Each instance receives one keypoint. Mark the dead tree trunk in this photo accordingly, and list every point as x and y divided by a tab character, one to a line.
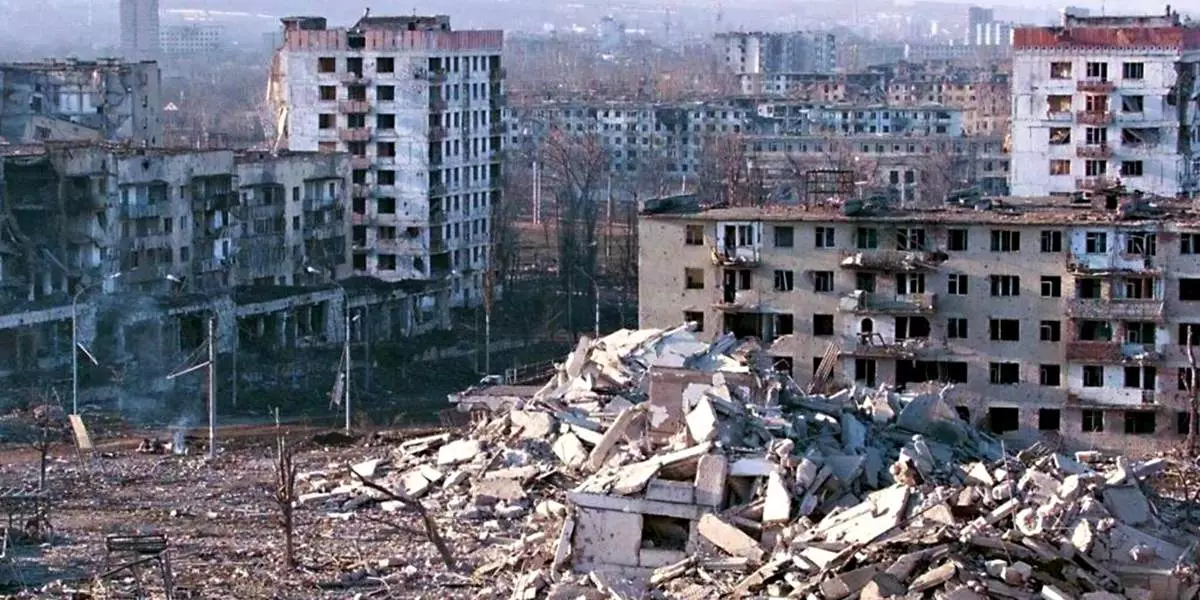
431	529
1193	398
285	496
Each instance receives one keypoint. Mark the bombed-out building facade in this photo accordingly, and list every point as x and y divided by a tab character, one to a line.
144	245
417	105
1068	320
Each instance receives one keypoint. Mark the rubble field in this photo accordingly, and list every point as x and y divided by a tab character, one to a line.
652	465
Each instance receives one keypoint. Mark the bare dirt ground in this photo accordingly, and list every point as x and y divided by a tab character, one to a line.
222	523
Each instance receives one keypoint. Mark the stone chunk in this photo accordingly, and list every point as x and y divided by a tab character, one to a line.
710	480
846	584
1050	592
778	505
569	450
729	538
1128	504
533	424
702	421
614	434
633	478
751	467
501	488
367	468
1017	573
665	490
933	578
605	536
459	451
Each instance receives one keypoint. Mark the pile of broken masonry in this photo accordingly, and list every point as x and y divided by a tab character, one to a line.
657	465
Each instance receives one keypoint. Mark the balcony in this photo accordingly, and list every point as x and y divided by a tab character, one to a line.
741	256
1094	352
143	211
334	229
496	129
437	217
437	77
891	260
437	134
1058	115
737	301
1094	117
215	201
1094	151
360	162
1115	309
1110	263
1094	184
901	304
354	107
359	134
438	246
437	105
873	345
1095	86
497	74
360	190
359	218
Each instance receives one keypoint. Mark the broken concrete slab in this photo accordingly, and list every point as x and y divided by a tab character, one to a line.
847	584
569	450
933	577
711	472
664	490
729	538
614	434
604	536
778	502
1128	504
752	467
532	424
702	421
458	451
633	478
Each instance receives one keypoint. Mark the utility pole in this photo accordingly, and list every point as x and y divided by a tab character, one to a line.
346	352
366	331
212	386
234	391
487	321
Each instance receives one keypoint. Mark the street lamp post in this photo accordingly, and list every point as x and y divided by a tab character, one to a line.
345	343
75	342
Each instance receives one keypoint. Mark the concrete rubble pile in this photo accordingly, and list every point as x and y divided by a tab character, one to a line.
657	465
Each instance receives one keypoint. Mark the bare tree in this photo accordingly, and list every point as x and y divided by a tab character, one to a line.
285	497
431	528
40	427
1192	385
727	173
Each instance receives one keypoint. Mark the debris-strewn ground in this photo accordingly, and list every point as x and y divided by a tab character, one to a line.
652	465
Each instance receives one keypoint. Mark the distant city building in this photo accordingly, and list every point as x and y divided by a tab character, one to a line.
1106	99
120	101
611	34
418	107
190	39
791	52
139	29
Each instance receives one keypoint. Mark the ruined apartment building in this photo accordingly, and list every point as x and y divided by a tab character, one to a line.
63	100
1056	320
418	107
1106	99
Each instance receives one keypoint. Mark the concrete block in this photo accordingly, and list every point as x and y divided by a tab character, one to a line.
654	558
847	584
1128	504
751	467
665	490
702	421
729	538
532	424
710	480
633	478
605	536
459	451
569	450
777	507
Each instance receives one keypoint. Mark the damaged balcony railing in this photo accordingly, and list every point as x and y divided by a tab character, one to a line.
737	300
1094	117
892	260
861	302
1134	309
743	256
876	346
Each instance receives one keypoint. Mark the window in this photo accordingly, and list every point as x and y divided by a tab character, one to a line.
864	370
1048	419
1096	242
1092	420
1004	419
1005	285
1132	104
957	240
1060	136
1094	331
693	279
387	262
1050	331
326	64
911	327
784	281
385	64
386	178
1051	286
1060	70
1004	373
784	236
1141	242
910	283
694	317
693	235
1088	288
184	255
1004	240
1131	168
385	93
822	325
1133	70
1060	166
825	237
325	121
356	121
866	238
1189	243
1051	241
1095	136
1189	289
385	121
1093	376
1097	70
328	92
784	324
1140	422
1050	375
386	205
910	239
1095	168
822	281
1058	103
956	328
1183	422
864	282
1144	377
1005	330
957	284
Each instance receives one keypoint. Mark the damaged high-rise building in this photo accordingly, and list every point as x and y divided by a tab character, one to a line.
63	100
144	244
418	106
